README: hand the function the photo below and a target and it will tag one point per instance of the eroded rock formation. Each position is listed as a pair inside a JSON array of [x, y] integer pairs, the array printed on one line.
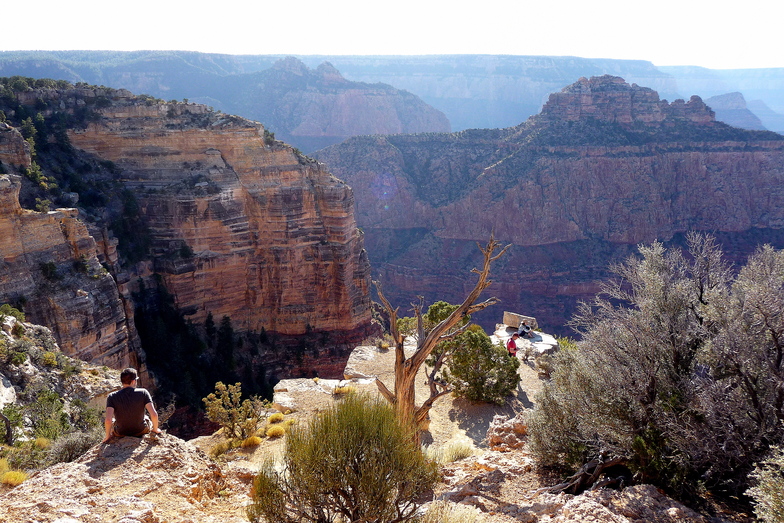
[[606, 165]]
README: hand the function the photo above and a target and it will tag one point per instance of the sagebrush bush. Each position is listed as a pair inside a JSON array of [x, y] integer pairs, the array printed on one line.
[[13, 478], [768, 491], [678, 373], [69, 447], [353, 462]]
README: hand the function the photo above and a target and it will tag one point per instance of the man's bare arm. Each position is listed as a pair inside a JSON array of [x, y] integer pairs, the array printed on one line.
[[153, 416], [107, 423]]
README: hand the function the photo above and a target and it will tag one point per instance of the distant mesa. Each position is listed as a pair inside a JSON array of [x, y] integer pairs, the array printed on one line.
[[731, 108]]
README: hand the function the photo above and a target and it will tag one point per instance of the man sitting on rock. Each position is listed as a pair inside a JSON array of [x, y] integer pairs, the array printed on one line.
[[125, 409], [524, 330]]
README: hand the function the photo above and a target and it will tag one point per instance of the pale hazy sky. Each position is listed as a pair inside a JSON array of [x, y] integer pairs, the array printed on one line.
[[669, 32]]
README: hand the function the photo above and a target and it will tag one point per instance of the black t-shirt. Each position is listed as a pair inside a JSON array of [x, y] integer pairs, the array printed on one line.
[[128, 404]]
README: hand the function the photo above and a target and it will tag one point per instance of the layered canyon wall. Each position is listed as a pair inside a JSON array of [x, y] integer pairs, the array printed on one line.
[[237, 224], [605, 166]]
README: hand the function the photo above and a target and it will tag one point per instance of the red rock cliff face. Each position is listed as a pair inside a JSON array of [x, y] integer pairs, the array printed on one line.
[[269, 237], [605, 165]]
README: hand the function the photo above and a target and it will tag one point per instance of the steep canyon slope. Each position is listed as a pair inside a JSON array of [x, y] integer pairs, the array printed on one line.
[[606, 165], [230, 222]]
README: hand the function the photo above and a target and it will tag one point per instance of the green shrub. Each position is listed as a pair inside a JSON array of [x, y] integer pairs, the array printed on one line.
[[480, 370], [49, 271], [239, 418], [8, 310], [18, 358], [768, 492], [353, 462], [219, 449], [49, 359], [26, 456], [18, 330], [46, 415]]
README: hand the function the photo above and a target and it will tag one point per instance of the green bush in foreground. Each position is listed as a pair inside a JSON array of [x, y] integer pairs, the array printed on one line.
[[481, 371], [354, 462]]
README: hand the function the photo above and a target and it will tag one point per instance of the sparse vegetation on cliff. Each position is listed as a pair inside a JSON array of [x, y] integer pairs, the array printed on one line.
[[45, 424]]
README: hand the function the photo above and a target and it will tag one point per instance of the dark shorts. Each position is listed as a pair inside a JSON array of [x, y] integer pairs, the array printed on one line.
[[146, 430]]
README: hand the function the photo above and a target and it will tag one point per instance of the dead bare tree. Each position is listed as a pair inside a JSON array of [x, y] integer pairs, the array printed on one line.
[[406, 368]]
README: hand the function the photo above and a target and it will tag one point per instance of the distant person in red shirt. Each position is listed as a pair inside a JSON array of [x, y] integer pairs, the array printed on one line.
[[511, 345], [125, 409]]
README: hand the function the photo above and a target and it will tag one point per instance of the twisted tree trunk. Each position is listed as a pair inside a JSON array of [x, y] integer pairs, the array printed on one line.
[[406, 369]]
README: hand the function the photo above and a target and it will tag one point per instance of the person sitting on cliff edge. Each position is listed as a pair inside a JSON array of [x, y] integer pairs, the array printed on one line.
[[125, 409]]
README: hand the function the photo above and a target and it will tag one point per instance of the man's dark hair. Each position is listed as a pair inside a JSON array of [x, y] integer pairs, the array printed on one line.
[[128, 375]]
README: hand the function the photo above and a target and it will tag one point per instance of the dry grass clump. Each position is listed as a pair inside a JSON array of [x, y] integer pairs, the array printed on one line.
[[345, 389], [276, 418], [13, 478], [222, 447], [43, 443], [446, 512], [253, 441], [452, 451], [4, 467], [275, 431]]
